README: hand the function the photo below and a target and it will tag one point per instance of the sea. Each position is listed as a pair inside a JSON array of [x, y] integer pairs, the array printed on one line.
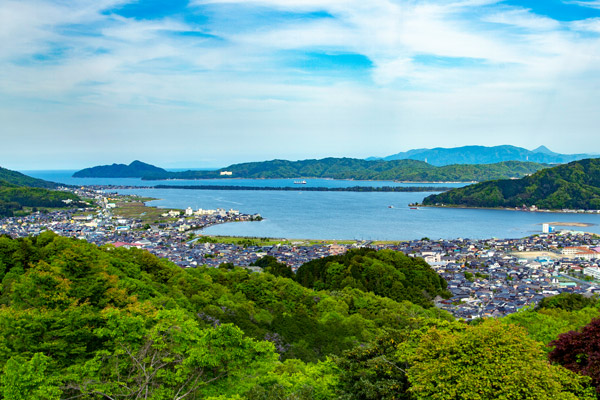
[[337, 215]]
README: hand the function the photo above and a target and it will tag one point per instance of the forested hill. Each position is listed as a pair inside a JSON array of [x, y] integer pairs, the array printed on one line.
[[18, 191], [136, 169], [385, 273], [571, 186], [19, 179], [82, 322], [351, 168]]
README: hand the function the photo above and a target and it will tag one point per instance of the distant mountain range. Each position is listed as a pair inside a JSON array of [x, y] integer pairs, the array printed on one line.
[[571, 186], [484, 155], [335, 168], [136, 169]]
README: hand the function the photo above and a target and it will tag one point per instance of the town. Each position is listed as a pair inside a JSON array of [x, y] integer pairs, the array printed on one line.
[[487, 278]]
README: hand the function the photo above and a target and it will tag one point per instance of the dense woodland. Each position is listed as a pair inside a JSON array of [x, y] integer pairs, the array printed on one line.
[[78, 321], [338, 168], [18, 191], [574, 186]]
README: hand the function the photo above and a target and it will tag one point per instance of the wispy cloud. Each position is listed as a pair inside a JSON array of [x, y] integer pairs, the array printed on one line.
[[261, 73], [586, 3]]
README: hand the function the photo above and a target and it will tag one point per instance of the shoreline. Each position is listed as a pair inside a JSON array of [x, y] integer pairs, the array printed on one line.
[[587, 212], [298, 177]]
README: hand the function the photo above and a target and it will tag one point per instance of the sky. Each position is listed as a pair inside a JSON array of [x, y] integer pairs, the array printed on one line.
[[208, 83]]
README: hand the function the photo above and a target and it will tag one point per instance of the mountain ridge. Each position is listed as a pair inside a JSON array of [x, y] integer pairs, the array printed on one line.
[[348, 168], [440, 156]]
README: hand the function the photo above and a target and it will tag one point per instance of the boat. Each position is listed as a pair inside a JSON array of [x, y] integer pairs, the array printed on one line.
[[299, 182], [390, 206], [414, 208]]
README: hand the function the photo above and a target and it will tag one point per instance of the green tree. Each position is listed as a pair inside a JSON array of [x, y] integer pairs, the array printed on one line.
[[172, 359], [489, 361], [270, 265], [29, 379]]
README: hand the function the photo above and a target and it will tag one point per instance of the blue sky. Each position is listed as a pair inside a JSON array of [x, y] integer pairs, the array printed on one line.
[[206, 83]]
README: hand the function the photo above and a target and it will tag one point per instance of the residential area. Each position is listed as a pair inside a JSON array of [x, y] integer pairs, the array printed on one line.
[[487, 278]]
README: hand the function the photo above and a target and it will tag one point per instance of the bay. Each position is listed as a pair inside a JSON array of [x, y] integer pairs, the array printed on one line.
[[337, 215], [357, 216], [65, 177]]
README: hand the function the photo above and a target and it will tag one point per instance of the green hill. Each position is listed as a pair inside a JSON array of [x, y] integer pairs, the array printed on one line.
[[19, 179], [385, 273], [82, 322], [351, 168], [18, 191], [571, 186]]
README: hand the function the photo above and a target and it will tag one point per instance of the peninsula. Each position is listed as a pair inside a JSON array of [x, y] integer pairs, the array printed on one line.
[[334, 168]]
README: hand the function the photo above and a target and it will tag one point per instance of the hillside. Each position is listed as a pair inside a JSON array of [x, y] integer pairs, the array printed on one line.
[[485, 155], [19, 179], [18, 191], [14, 199], [351, 168], [572, 186], [385, 273], [136, 169], [79, 321]]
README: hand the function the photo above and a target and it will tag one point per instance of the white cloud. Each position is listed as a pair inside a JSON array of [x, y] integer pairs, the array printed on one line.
[[587, 3], [524, 19], [442, 71]]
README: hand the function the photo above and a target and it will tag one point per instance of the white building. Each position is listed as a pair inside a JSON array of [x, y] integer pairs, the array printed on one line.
[[594, 272]]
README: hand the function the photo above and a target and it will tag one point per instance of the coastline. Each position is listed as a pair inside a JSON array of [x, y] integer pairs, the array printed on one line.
[[518, 209]]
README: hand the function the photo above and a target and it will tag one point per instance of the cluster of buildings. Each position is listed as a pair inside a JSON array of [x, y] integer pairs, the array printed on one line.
[[487, 278]]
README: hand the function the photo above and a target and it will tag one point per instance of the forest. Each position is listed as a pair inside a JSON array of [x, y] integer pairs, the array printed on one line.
[[334, 168], [13, 199], [18, 191], [84, 322], [571, 186]]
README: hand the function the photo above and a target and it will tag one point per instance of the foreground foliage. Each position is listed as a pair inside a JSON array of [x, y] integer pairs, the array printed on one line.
[[78, 321], [579, 351]]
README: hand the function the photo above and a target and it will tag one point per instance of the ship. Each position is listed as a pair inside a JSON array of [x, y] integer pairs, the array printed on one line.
[[299, 182]]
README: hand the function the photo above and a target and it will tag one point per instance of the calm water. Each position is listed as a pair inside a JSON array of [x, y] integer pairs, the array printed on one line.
[[339, 215], [64, 176]]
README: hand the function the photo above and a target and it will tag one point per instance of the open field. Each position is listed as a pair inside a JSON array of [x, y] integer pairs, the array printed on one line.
[[137, 209]]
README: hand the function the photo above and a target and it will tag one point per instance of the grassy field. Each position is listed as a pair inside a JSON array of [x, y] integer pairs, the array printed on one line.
[[136, 209]]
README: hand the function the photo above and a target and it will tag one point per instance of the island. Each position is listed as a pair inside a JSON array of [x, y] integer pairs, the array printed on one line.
[[136, 169]]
